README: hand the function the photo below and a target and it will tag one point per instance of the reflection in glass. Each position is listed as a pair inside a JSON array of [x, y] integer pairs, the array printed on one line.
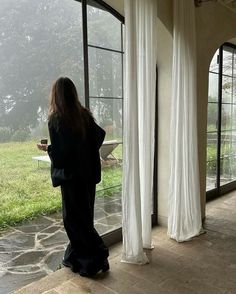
[[212, 118], [227, 89], [211, 175], [228, 142], [228, 155], [211, 160], [214, 66], [226, 131], [212, 124], [227, 68], [109, 35], [213, 87], [228, 117], [228, 169], [234, 63], [105, 73], [108, 208], [211, 146], [234, 90], [106, 102], [108, 113]]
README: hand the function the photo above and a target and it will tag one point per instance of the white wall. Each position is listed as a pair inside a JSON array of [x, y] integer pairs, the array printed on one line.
[[215, 25], [164, 64]]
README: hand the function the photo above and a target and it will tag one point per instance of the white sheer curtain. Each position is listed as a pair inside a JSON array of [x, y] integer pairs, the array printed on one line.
[[139, 122], [184, 221]]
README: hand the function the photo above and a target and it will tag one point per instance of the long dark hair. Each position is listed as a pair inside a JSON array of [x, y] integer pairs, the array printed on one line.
[[65, 108]]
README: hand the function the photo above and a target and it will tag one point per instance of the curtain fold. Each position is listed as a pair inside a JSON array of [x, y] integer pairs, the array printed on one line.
[[139, 123], [184, 221]]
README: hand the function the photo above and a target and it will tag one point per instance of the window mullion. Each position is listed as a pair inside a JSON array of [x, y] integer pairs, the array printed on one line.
[[85, 47], [219, 117]]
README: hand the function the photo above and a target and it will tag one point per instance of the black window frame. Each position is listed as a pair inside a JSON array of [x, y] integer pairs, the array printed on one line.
[[115, 235], [220, 190]]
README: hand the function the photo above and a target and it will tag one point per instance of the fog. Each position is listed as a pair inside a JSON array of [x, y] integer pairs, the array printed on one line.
[[42, 40]]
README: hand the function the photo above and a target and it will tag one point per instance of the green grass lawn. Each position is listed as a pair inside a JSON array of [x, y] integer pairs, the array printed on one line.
[[25, 188]]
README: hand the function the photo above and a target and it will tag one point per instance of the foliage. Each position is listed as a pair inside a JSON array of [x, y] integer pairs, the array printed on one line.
[[42, 40], [25, 187], [5, 134], [20, 136], [228, 160], [212, 115], [37, 37]]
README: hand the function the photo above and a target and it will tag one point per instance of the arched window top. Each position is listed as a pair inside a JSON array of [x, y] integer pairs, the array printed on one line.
[[221, 126]]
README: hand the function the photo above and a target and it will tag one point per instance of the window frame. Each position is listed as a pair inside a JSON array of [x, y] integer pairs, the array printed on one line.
[[115, 236], [220, 189]]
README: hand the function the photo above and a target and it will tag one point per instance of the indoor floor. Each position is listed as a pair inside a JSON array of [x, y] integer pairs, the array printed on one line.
[[207, 264]]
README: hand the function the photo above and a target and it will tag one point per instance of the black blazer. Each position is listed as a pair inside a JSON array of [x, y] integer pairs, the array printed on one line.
[[79, 158]]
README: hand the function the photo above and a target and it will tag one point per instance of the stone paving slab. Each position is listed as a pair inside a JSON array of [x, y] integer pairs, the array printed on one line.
[[35, 249], [204, 265]]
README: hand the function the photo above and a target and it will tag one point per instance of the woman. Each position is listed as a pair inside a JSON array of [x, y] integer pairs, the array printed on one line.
[[74, 152]]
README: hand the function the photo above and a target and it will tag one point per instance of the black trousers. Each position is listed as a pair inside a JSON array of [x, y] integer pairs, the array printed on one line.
[[86, 249]]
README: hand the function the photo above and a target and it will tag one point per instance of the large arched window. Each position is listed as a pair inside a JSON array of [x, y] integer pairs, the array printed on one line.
[[221, 128], [40, 41]]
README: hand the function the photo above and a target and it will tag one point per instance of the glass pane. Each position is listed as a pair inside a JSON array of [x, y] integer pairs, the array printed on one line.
[[228, 170], [212, 118], [228, 122], [213, 87], [105, 73], [105, 80], [211, 175], [227, 61], [214, 66], [227, 89], [109, 33], [234, 63], [228, 157], [228, 143], [108, 113], [108, 208], [234, 90], [211, 160], [211, 146], [40, 41], [228, 117]]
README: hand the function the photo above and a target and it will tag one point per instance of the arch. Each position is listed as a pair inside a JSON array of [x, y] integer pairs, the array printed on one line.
[[221, 121], [215, 24]]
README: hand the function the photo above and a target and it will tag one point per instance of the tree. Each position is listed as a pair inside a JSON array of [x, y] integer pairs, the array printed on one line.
[[40, 41]]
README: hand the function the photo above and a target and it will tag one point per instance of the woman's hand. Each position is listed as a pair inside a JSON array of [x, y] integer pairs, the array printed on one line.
[[43, 147]]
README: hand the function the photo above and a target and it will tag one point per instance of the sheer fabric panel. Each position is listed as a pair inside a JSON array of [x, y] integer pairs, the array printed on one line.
[[139, 120], [184, 221]]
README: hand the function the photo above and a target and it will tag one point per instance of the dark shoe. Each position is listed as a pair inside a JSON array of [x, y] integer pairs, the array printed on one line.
[[86, 274], [105, 266], [91, 273], [72, 266]]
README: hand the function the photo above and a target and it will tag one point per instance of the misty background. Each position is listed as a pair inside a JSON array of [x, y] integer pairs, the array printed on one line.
[[42, 40]]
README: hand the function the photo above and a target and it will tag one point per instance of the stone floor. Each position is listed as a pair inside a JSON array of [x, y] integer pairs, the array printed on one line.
[[35, 249], [205, 265]]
